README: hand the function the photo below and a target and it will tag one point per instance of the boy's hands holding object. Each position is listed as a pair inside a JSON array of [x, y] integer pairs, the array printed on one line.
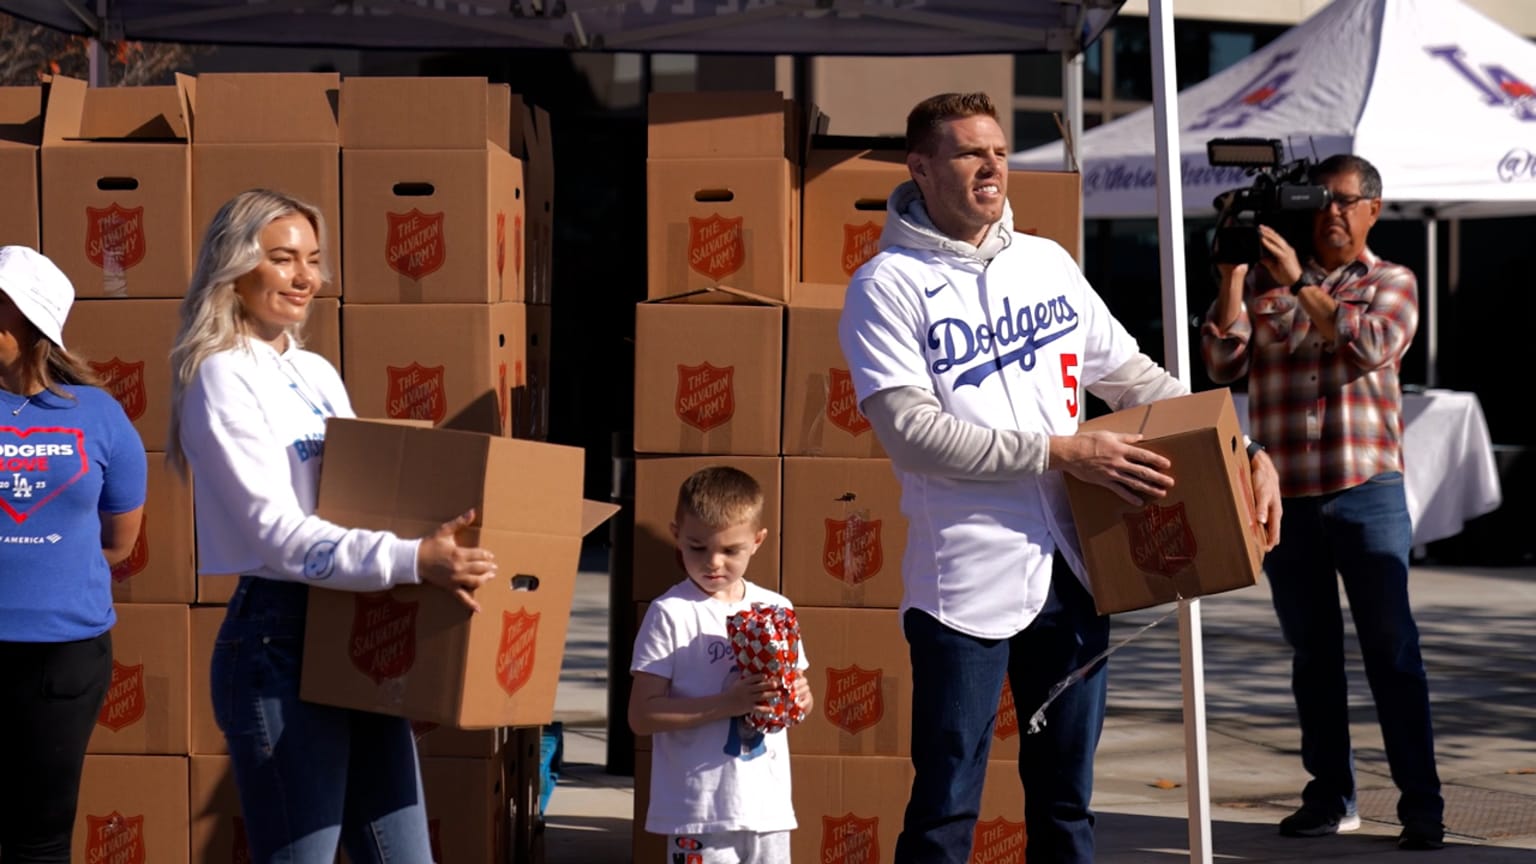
[[766, 642]]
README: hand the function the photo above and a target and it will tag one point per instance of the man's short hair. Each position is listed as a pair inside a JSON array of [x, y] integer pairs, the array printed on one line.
[[925, 120], [1348, 163], [721, 496]]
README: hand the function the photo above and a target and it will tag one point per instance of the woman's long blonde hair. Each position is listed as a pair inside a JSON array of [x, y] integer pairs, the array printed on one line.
[[212, 317]]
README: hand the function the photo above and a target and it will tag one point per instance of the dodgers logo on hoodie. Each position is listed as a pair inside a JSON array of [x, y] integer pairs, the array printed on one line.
[[980, 349], [36, 466]]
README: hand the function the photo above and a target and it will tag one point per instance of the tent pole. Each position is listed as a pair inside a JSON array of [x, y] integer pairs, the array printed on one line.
[[1170, 225], [1072, 93], [97, 72], [1431, 299]]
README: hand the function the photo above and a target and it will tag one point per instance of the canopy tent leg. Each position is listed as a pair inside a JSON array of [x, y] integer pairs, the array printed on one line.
[[1170, 225], [1072, 92], [95, 52], [1431, 300]]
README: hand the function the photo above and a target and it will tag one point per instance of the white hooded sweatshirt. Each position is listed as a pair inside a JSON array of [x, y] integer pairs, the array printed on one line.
[[253, 430], [1001, 341]]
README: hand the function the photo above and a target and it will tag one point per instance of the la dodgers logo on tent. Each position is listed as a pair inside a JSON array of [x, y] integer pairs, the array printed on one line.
[[1498, 86], [1262, 93]]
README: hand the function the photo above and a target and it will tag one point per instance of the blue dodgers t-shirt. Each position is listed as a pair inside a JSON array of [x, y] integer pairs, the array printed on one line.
[[63, 462]]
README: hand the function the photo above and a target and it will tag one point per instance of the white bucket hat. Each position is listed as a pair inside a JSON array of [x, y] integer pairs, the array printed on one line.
[[39, 289]]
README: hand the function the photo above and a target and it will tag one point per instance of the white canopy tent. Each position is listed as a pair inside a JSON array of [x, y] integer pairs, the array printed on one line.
[[1434, 93], [795, 27]]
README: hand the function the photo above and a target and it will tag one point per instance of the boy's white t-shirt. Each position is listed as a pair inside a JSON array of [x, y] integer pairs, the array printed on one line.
[[696, 788]]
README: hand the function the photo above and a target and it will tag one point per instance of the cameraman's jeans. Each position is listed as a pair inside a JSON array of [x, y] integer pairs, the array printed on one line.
[[308, 775], [957, 683], [1364, 534]]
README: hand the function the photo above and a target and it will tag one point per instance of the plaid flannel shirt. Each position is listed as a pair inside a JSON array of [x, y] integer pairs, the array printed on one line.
[[1330, 414]]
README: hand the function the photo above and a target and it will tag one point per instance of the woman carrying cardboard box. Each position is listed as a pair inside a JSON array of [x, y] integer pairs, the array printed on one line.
[[72, 473], [249, 409]]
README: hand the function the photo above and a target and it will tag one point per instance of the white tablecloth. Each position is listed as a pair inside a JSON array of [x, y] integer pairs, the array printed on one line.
[[1449, 472]]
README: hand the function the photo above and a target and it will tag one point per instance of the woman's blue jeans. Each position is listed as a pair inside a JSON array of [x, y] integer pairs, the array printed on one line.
[[309, 776], [1363, 534], [957, 682]]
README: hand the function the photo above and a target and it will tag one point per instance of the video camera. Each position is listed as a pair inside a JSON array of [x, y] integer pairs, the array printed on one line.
[[1280, 197]]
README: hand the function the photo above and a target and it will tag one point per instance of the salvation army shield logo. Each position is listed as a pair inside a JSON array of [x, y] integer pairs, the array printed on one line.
[[124, 705], [383, 642], [1162, 543], [860, 243], [114, 838], [517, 244], [1007, 723], [415, 392], [501, 243], [843, 403], [415, 245], [37, 465], [125, 381], [855, 698], [851, 551], [998, 841], [515, 655], [715, 246], [138, 559], [706, 395], [114, 236], [847, 839]]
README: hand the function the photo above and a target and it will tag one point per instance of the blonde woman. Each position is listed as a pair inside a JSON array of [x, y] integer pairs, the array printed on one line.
[[74, 473], [249, 409]]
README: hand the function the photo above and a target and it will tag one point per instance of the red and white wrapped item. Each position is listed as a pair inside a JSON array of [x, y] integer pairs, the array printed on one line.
[[766, 640]]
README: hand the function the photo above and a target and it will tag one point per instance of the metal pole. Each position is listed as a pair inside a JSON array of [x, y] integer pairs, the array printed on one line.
[[1170, 223], [1431, 300], [1072, 94], [95, 51]]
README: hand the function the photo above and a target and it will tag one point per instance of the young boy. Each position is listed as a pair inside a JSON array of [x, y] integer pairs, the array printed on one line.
[[720, 789]]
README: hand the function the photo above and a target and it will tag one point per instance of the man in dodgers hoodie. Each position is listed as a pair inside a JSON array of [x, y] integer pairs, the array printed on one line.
[[969, 347]]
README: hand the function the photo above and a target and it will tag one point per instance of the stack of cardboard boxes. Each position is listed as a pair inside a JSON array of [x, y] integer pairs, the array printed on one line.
[[428, 245], [741, 368]]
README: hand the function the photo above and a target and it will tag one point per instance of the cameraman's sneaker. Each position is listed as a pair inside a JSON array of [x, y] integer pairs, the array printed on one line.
[[1312, 822]]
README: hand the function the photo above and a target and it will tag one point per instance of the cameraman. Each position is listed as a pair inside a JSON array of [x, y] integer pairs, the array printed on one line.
[[1321, 345]]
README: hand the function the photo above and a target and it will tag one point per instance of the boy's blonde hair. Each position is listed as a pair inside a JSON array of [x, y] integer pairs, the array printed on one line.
[[720, 496]]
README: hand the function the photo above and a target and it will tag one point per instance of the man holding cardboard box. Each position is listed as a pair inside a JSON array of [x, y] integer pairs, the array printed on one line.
[[1321, 345], [969, 345]]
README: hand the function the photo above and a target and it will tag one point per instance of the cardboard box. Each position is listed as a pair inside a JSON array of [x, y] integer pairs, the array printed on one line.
[[270, 131], [1047, 204], [850, 810], [127, 344], [216, 588], [160, 568], [147, 706], [708, 377], [821, 410], [531, 404], [722, 222], [434, 207], [844, 202], [722, 125], [844, 533], [436, 740], [536, 148], [466, 809], [21, 131], [861, 676], [1204, 538], [217, 832], [416, 651], [116, 170], [656, 483], [432, 361], [205, 737], [132, 809], [646, 846]]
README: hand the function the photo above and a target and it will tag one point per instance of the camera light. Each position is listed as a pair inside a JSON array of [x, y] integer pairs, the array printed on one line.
[[1245, 152]]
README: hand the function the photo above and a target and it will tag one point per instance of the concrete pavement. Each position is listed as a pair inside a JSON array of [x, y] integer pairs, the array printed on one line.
[[1479, 633]]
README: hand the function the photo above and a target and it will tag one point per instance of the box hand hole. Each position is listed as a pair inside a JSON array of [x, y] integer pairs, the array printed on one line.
[[872, 204], [414, 190], [524, 582], [117, 184], [714, 195]]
